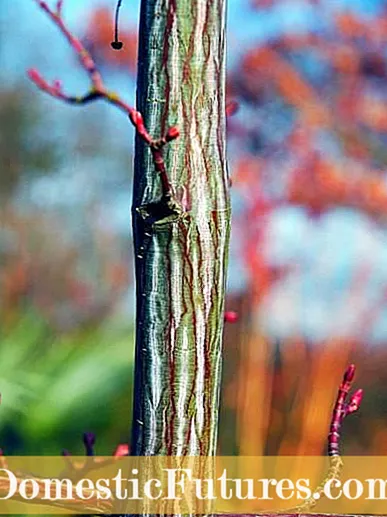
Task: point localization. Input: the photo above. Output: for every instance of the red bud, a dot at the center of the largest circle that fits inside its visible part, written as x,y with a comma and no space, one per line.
172,133
35,76
231,317
355,401
136,118
350,373
122,450
231,108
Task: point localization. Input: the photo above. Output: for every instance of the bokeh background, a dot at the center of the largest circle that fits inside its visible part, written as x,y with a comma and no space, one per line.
308,264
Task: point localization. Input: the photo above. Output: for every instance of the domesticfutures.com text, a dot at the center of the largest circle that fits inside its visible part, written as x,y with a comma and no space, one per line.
179,483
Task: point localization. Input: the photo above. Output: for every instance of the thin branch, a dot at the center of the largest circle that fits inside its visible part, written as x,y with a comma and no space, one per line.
341,409
59,6
98,90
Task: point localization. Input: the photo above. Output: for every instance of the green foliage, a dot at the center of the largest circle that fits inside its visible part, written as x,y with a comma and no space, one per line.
54,387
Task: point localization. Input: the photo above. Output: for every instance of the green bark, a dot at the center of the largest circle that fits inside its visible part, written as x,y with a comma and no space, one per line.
181,244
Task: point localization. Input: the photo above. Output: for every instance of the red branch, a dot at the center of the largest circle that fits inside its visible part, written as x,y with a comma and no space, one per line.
98,90
342,409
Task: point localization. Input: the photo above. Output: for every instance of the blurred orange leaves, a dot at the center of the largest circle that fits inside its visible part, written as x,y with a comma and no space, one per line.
322,185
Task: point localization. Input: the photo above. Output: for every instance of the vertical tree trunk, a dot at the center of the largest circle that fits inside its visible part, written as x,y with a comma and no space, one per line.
181,240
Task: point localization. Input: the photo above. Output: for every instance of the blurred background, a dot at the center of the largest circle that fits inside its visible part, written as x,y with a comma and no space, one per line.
308,264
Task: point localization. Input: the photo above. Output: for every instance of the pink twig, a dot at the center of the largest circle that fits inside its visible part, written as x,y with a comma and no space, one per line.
59,6
98,90
342,409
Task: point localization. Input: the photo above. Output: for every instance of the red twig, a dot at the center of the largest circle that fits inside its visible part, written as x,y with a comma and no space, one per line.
98,90
342,409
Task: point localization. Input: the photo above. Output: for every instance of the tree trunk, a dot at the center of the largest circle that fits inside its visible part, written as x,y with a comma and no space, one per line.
181,239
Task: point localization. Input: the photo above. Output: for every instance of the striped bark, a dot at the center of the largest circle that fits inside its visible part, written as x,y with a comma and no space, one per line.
181,242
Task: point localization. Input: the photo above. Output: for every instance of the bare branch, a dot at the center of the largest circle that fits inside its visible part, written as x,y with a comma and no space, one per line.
340,411
59,6
98,90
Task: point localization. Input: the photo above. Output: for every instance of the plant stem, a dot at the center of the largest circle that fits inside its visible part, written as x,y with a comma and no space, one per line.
180,237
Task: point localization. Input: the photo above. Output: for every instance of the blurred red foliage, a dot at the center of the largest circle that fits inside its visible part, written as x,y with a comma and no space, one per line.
325,92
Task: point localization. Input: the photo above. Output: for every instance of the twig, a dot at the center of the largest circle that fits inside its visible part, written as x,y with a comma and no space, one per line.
340,411
98,90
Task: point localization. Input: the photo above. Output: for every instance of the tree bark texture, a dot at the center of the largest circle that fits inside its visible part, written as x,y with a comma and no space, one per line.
181,239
